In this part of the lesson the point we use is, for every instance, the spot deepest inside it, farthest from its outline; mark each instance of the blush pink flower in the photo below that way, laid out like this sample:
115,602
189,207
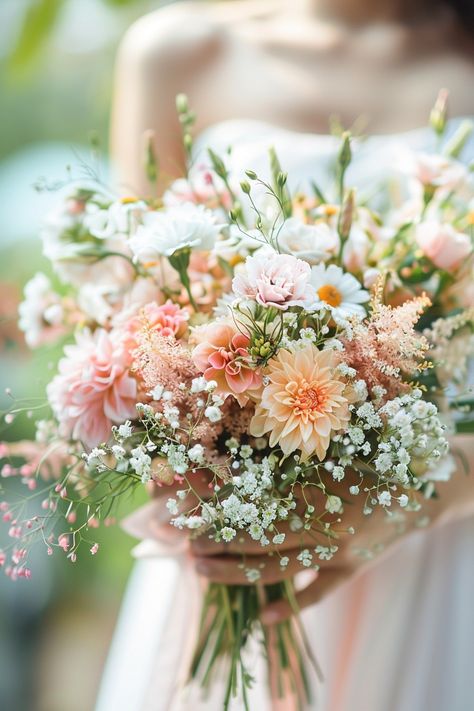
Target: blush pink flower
222,355
93,388
169,319
279,280
305,402
446,247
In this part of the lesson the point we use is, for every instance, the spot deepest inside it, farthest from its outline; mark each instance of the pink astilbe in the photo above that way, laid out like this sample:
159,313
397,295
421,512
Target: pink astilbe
162,361
385,348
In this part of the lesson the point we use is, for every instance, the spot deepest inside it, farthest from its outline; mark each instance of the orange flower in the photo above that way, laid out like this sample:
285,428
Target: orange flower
305,402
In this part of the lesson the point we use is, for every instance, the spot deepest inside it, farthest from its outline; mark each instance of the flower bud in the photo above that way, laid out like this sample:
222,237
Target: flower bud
182,105
439,112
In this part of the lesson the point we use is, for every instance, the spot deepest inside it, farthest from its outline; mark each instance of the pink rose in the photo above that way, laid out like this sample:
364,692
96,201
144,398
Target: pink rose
93,388
222,355
279,280
445,246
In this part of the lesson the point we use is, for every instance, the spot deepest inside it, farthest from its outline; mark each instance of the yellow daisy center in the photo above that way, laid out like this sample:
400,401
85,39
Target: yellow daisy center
330,295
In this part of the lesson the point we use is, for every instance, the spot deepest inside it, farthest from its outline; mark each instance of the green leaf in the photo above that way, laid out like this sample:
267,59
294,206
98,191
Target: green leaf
39,21
464,427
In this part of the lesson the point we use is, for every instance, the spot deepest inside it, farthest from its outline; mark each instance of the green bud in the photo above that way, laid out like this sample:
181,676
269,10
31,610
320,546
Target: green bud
455,145
281,179
439,112
345,152
151,161
182,105
251,174
346,216
245,187
217,164
188,141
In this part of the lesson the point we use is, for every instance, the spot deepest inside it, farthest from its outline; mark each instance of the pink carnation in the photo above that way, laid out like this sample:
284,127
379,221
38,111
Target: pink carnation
93,388
222,355
446,247
278,280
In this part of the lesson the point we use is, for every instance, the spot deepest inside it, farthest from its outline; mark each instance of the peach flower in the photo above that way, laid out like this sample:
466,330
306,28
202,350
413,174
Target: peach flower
445,246
222,355
93,388
305,402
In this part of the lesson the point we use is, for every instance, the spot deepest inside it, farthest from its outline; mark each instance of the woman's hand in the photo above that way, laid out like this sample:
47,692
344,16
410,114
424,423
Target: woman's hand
227,562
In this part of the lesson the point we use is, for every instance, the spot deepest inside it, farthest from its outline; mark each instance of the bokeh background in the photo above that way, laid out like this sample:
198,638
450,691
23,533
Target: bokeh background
56,68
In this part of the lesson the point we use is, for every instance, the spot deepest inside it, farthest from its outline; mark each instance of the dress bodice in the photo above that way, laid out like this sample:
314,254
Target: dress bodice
307,157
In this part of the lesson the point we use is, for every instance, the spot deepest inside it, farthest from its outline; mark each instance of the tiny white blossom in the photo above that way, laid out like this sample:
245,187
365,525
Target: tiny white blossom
333,504
213,413
385,498
228,534
198,385
252,574
125,431
172,506
196,453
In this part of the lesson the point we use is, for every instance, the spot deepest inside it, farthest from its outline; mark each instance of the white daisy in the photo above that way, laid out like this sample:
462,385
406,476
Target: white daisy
166,231
338,291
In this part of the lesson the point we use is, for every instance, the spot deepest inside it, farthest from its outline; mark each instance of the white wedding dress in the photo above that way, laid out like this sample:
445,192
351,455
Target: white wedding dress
400,637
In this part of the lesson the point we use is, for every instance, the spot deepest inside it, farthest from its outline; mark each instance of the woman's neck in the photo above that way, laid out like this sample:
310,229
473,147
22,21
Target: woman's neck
357,12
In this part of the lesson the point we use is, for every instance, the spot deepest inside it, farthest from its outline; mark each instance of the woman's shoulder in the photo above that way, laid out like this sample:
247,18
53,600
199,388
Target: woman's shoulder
189,30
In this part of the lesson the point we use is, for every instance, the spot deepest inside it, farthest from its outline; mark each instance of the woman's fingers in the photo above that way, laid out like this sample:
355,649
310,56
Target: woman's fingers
244,544
233,570
198,485
326,581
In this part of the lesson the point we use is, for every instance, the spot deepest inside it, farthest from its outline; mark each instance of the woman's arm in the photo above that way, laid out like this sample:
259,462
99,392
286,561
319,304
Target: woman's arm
162,54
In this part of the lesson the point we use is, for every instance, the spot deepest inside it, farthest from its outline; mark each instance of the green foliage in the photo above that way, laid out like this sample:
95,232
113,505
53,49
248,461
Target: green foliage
39,20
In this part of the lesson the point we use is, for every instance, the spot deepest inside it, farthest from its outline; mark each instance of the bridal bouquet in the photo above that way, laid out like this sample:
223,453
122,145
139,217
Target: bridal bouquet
298,352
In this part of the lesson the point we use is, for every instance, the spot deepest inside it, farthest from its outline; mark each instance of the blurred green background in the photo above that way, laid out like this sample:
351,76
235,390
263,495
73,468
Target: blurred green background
56,67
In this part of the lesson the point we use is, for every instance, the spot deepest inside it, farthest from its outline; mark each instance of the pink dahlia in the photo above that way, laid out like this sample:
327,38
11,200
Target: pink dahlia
222,355
93,388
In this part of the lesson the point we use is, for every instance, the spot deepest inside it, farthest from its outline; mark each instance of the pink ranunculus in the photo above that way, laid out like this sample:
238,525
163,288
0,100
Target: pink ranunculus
93,388
170,319
445,246
222,355
279,280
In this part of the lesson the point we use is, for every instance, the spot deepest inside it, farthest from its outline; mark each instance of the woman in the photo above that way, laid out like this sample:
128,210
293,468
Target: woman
391,635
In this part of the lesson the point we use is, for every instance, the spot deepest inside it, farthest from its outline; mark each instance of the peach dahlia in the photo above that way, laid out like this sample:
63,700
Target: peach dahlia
306,401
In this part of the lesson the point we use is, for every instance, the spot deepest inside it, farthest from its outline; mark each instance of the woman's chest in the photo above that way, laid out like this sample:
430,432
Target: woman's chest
304,92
